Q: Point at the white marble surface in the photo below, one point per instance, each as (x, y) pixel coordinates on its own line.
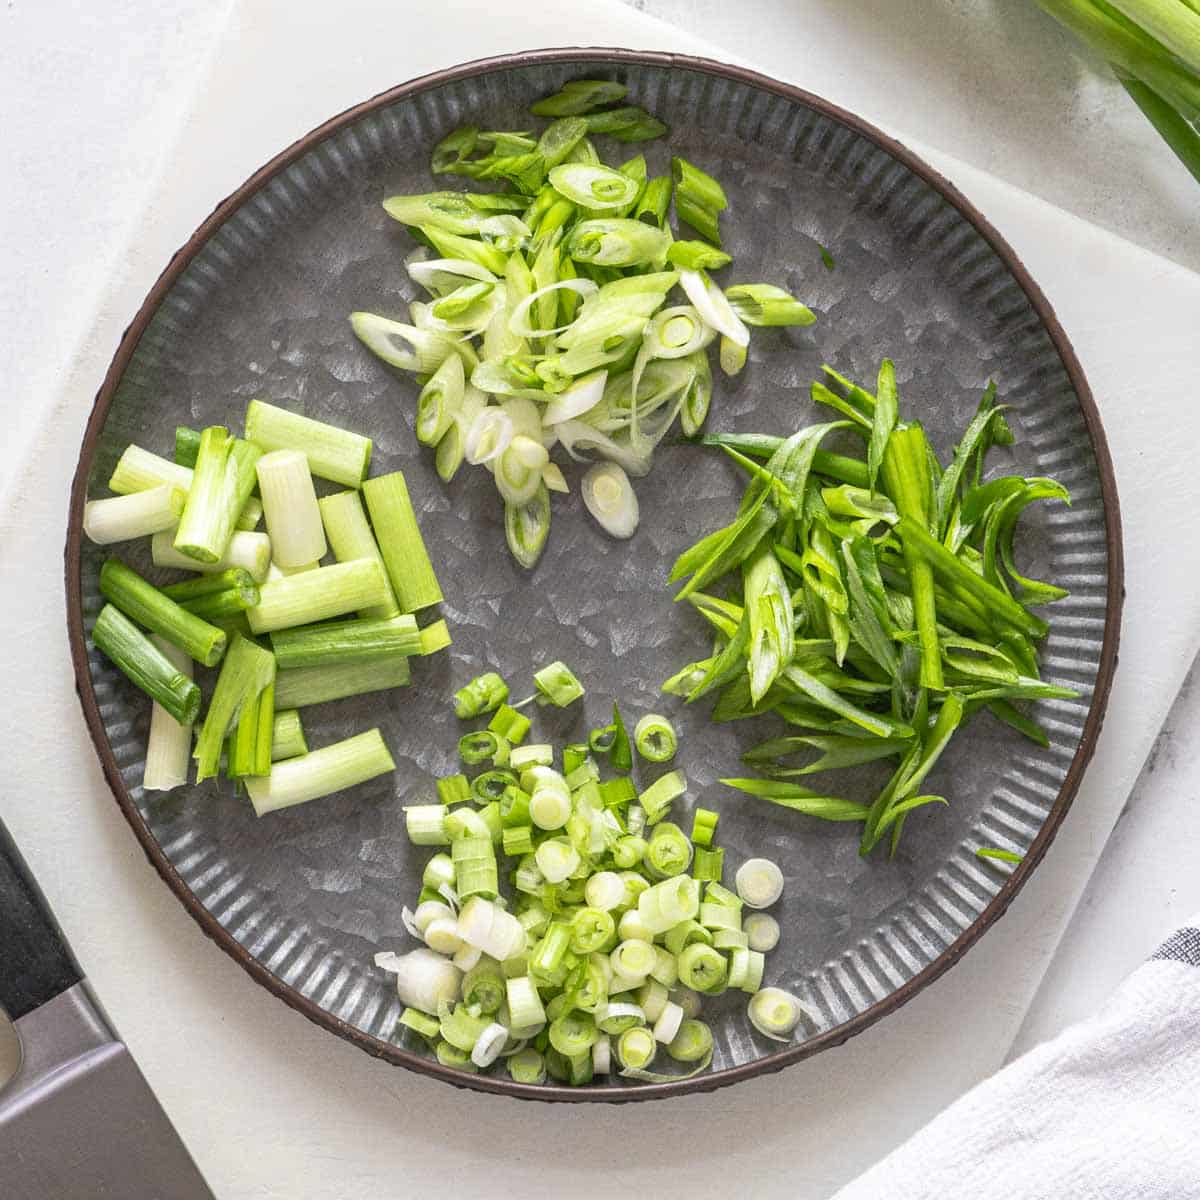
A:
(274, 1107)
(996, 83)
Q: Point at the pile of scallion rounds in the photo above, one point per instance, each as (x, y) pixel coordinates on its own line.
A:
(616, 926)
(549, 318)
(285, 630)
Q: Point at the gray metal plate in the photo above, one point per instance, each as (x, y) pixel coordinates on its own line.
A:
(261, 312)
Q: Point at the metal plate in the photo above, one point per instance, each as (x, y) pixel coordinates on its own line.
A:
(256, 305)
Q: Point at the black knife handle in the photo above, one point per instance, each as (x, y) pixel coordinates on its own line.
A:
(36, 964)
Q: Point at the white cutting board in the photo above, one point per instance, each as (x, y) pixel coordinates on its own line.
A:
(271, 1106)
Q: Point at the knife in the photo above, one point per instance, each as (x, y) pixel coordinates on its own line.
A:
(78, 1120)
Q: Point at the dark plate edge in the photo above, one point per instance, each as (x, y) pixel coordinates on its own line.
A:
(623, 1092)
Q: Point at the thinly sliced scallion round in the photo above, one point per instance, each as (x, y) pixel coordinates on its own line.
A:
(678, 332)
(579, 398)
(424, 979)
(759, 882)
(762, 932)
(775, 1013)
(526, 527)
(609, 497)
(489, 1044)
(489, 436)
(594, 187)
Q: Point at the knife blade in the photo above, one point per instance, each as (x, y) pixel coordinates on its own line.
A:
(78, 1121)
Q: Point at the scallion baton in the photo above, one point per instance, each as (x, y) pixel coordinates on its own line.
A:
(318, 595)
(350, 537)
(300, 687)
(320, 773)
(340, 642)
(290, 509)
(408, 567)
(138, 470)
(598, 958)
(251, 552)
(332, 453)
(222, 480)
(169, 746)
(138, 514)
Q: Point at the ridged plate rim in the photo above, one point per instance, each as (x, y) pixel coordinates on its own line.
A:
(832, 1037)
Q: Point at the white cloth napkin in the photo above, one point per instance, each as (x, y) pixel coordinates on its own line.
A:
(1109, 1110)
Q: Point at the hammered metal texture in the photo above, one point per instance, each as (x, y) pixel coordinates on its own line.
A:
(312, 893)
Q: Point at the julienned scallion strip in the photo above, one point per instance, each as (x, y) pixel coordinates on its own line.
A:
(138, 470)
(332, 453)
(144, 603)
(222, 480)
(877, 604)
(251, 552)
(408, 567)
(136, 656)
(350, 537)
(320, 773)
(545, 316)
(587, 966)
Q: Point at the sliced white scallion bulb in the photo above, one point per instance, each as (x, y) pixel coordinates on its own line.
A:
(554, 479)
(466, 958)
(602, 1055)
(290, 508)
(775, 1013)
(423, 979)
(556, 860)
(441, 935)
(604, 890)
(609, 497)
(668, 1023)
(762, 932)
(120, 518)
(580, 397)
(489, 436)
(687, 1000)
(489, 1044)
(427, 912)
(759, 882)
(169, 748)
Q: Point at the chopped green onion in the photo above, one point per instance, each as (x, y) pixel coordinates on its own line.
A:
(318, 595)
(215, 596)
(483, 694)
(138, 514)
(636, 1048)
(510, 724)
(527, 1066)
(350, 538)
(249, 551)
(620, 754)
(419, 1022)
(708, 863)
(692, 1042)
(332, 453)
(775, 1013)
(526, 527)
(400, 542)
(290, 508)
(702, 968)
(340, 642)
(759, 882)
(617, 242)
(579, 96)
(764, 304)
(425, 825)
(704, 824)
(247, 671)
(169, 746)
(655, 739)
(609, 497)
(668, 851)
(287, 735)
(144, 603)
(303, 686)
(187, 446)
(762, 932)
(479, 747)
(222, 481)
(657, 798)
(138, 469)
(697, 256)
(558, 684)
(452, 789)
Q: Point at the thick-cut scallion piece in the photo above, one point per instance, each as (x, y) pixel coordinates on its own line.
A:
(222, 481)
(557, 685)
(332, 453)
(287, 735)
(187, 446)
(138, 514)
(765, 304)
(138, 469)
(144, 603)
(247, 670)
(169, 746)
(408, 566)
(318, 595)
(484, 694)
(341, 642)
(249, 551)
(214, 597)
(657, 798)
(305, 686)
(290, 508)
(704, 825)
(350, 537)
(321, 773)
